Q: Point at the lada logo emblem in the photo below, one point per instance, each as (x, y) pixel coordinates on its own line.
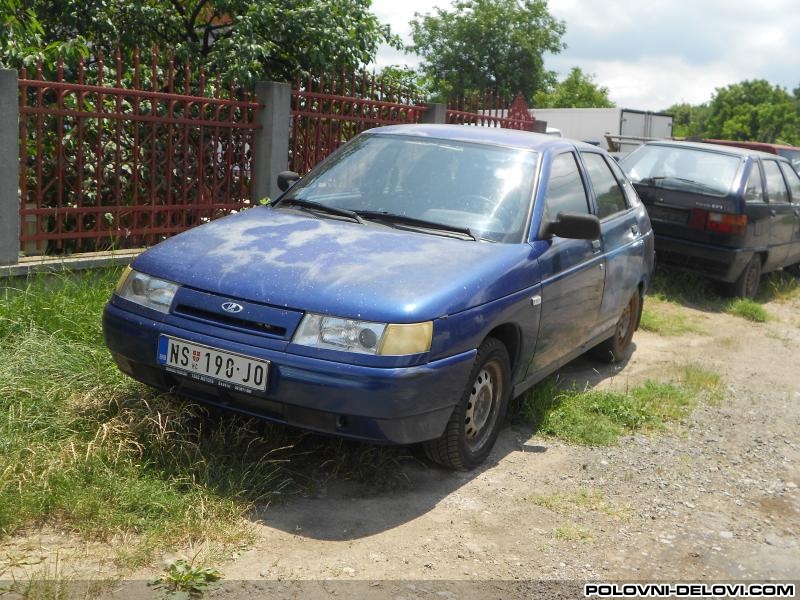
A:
(232, 307)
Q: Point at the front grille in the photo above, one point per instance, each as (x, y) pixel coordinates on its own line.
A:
(213, 317)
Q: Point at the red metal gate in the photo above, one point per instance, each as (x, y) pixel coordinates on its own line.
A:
(490, 110)
(328, 111)
(130, 163)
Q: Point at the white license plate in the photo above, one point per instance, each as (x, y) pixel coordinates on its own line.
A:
(225, 369)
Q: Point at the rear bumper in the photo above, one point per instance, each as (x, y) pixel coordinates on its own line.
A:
(388, 405)
(715, 262)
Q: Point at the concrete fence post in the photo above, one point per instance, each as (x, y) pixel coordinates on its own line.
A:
(271, 151)
(9, 167)
(436, 113)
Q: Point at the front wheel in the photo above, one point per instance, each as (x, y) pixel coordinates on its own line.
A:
(476, 420)
(614, 348)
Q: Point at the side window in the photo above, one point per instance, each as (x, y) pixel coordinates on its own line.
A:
(776, 186)
(793, 179)
(624, 182)
(610, 199)
(565, 190)
(754, 192)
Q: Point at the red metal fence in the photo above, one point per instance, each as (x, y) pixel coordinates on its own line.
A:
(328, 111)
(139, 154)
(128, 161)
(490, 110)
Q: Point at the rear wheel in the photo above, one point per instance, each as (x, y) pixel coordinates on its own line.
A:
(746, 286)
(793, 269)
(614, 348)
(476, 420)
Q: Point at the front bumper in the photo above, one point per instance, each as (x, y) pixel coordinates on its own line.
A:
(390, 405)
(715, 262)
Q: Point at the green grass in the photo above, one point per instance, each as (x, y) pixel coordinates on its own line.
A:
(572, 533)
(89, 450)
(580, 501)
(663, 318)
(688, 289)
(779, 287)
(748, 309)
(601, 417)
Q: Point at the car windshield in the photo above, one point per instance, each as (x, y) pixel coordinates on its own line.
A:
(483, 189)
(793, 156)
(681, 168)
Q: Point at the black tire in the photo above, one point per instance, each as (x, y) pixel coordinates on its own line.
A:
(793, 269)
(746, 286)
(477, 418)
(613, 349)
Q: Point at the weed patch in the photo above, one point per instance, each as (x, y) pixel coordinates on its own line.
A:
(572, 533)
(663, 318)
(586, 499)
(748, 309)
(600, 417)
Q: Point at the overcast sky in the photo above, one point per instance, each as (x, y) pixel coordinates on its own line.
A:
(651, 55)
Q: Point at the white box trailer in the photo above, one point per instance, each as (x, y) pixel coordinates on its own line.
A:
(592, 124)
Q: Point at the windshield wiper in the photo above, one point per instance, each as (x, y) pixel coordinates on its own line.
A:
(377, 215)
(319, 206)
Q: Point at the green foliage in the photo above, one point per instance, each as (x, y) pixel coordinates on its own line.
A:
(600, 417)
(487, 44)
(754, 110)
(576, 90)
(185, 580)
(748, 309)
(242, 40)
(665, 319)
(689, 120)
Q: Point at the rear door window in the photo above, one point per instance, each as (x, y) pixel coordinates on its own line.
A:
(610, 198)
(793, 179)
(754, 192)
(565, 191)
(776, 186)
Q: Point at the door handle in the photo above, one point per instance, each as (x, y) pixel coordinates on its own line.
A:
(635, 229)
(595, 246)
(797, 212)
(773, 212)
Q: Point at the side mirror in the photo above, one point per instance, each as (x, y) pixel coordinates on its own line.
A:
(286, 179)
(574, 225)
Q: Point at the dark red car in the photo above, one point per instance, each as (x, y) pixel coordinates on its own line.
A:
(792, 153)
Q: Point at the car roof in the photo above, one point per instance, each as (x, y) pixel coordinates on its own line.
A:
(717, 148)
(765, 146)
(497, 136)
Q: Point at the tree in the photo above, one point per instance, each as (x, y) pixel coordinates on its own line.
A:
(487, 44)
(689, 120)
(577, 90)
(754, 110)
(242, 40)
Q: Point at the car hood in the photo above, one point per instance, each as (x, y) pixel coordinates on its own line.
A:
(289, 259)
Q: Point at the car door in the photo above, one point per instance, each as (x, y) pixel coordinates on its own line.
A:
(572, 271)
(793, 181)
(781, 216)
(622, 241)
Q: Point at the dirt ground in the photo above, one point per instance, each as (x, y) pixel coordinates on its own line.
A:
(715, 499)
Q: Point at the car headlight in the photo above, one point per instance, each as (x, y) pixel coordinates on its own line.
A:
(147, 291)
(364, 337)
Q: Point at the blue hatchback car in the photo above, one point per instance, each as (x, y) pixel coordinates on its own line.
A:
(401, 292)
